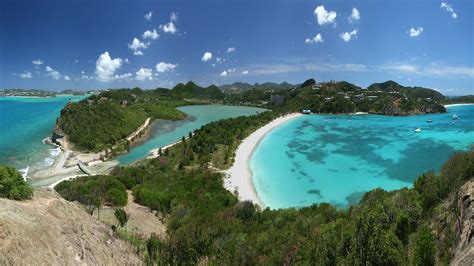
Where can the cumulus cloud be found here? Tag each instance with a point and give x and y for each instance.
(26, 75)
(245, 72)
(230, 49)
(123, 76)
(144, 74)
(105, 67)
(206, 57)
(325, 17)
(449, 8)
(52, 73)
(137, 46)
(355, 15)
(415, 32)
(223, 74)
(37, 62)
(151, 34)
(148, 15)
(347, 36)
(316, 39)
(170, 27)
(67, 78)
(163, 67)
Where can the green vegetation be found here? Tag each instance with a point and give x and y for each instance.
(121, 217)
(103, 121)
(388, 98)
(460, 99)
(12, 185)
(94, 191)
(205, 222)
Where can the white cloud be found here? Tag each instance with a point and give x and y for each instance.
(123, 76)
(245, 72)
(26, 75)
(316, 39)
(148, 15)
(83, 72)
(355, 15)
(67, 78)
(37, 62)
(223, 74)
(206, 57)
(52, 73)
(144, 74)
(449, 8)
(325, 17)
(169, 28)
(404, 68)
(151, 34)
(105, 67)
(230, 49)
(415, 32)
(173, 16)
(162, 67)
(347, 36)
(137, 45)
(230, 70)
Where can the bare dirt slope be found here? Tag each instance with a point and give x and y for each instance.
(49, 230)
(141, 220)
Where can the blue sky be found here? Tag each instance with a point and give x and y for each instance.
(90, 44)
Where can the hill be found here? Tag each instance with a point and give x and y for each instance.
(340, 97)
(190, 90)
(49, 230)
(103, 121)
(238, 87)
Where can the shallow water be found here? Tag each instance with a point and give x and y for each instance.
(166, 132)
(336, 158)
(24, 123)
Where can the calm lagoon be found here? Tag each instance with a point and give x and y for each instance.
(336, 158)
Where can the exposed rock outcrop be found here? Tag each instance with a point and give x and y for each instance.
(464, 251)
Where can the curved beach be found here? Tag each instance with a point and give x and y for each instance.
(239, 176)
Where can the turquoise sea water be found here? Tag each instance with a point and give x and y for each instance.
(24, 123)
(167, 132)
(336, 158)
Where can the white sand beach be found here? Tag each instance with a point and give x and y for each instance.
(457, 104)
(239, 176)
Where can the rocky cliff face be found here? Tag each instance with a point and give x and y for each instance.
(464, 251)
(49, 230)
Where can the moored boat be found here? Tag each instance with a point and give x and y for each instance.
(418, 130)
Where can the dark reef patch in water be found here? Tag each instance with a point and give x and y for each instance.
(354, 198)
(316, 192)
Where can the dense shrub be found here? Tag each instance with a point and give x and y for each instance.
(12, 185)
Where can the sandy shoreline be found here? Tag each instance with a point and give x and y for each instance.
(457, 104)
(239, 176)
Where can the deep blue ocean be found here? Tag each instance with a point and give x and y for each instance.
(336, 158)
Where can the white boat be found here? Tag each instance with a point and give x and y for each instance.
(418, 130)
(429, 120)
(454, 117)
